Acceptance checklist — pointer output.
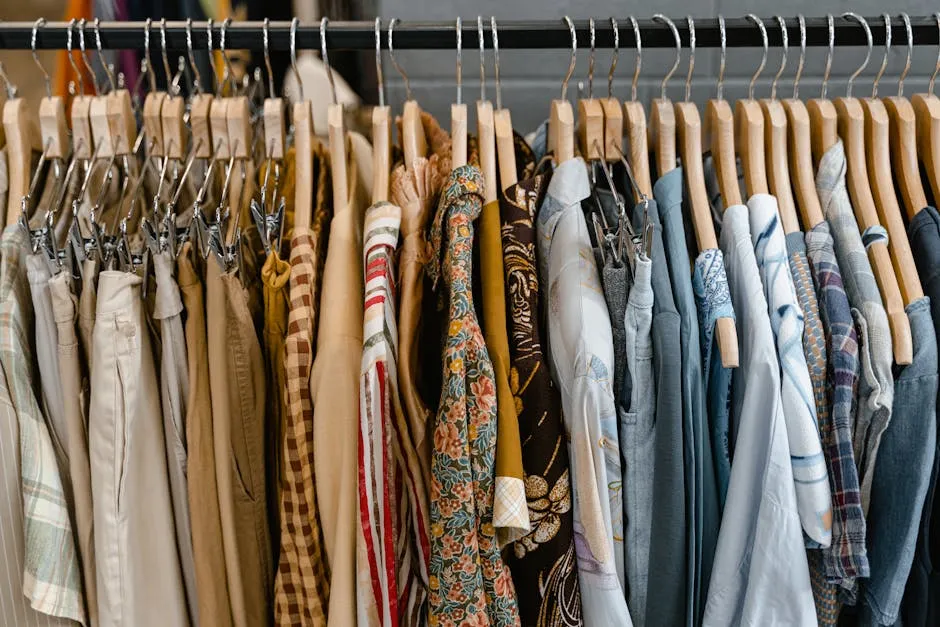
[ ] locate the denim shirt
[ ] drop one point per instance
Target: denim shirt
(701, 489)
(666, 602)
(876, 384)
(760, 575)
(580, 347)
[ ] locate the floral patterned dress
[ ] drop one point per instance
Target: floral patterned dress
(469, 583)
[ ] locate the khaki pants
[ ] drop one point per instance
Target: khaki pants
(139, 579)
(211, 583)
(75, 395)
(236, 376)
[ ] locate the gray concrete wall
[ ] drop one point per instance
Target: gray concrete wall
(531, 78)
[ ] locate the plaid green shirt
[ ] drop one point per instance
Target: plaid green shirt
(51, 578)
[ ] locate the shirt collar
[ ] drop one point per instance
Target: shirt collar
(568, 187)
(831, 173)
(668, 189)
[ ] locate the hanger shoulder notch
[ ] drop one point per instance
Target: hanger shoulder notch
(561, 128)
(53, 127)
(273, 115)
(801, 163)
(505, 148)
(719, 122)
(415, 144)
(613, 128)
(904, 153)
(778, 169)
(591, 129)
(638, 147)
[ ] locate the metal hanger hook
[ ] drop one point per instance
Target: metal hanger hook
(107, 68)
(910, 52)
(380, 77)
(482, 59)
(688, 77)
(197, 77)
(215, 70)
(326, 59)
(574, 57)
(614, 58)
(391, 56)
(459, 30)
(936, 69)
(265, 36)
(722, 58)
(229, 72)
(81, 45)
(592, 33)
(884, 61)
(659, 17)
(861, 21)
(799, 67)
(36, 26)
(499, 88)
(785, 43)
(68, 47)
(147, 65)
(763, 59)
(166, 59)
(830, 21)
(293, 57)
(638, 39)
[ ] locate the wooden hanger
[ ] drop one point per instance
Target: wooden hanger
(486, 132)
(635, 122)
(21, 140)
(561, 118)
(822, 113)
(927, 113)
(775, 137)
(458, 111)
(337, 130)
(882, 141)
(591, 115)
(749, 129)
(690, 147)
(613, 113)
(381, 130)
(302, 116)
(502, 121)
(802, 175)
(83, 143)
(852, 131)
(414, 141)
(719, 128)
(662, 116)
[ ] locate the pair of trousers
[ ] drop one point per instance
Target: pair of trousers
(139, 577)
(237, 384)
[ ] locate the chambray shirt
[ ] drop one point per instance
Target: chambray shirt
(760, 575)
(799, 406)
(875, 384)
(580, 346)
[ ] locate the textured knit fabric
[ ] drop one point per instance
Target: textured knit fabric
(392, 547)
(814, 348)
(542, 562)
(760, 575)
(710, 284)
(799, 407)
(846, 558)
(666, 601)
(902, 475)
(51, 575)
(302, 583)
(701, 488)
(922, 596)
(875, 384)
(581, 356)
(468, 581)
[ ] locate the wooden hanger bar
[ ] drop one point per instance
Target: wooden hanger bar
(486, 138)
(505, 148)
(749, 139)
(638, 146)
(21, 140)
(174, 128)
(778, 169)
(824, 124)
(720, 126)
(83, 142)
(927, 112)
(663, 135)
(904, 153)
(121, 121)
(337, 134)
(561, 131)
(153, 122)
(852, 130)
(98, 118)
(458, 134)
(879, 149)
(613, 129)
(382, 152)
(218, 125)
(274, 125)
(801, 163)
(53, 128)
(591, 128)
(415, 144)
(200, 125)
(303, 153)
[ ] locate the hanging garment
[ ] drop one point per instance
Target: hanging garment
(542, 562)
(468, 579)
(905, 463)
(713, 301)
(392, 545)
(667, 582)
(76, 395)
(174, 391)
(637, 441)
(510, 510)
(202, 484)
(334, 385)
(799, 409)
(921, 605)
(701, 488)
(139, 577)
(51, 577)
(875, 386)
(581, 356)
(760, 576)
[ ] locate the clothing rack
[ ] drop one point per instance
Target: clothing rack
(512, 34)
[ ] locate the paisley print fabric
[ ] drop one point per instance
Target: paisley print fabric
(542, 561)
(469, 583)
